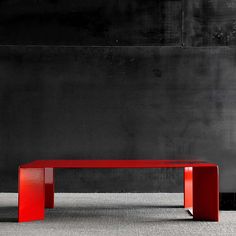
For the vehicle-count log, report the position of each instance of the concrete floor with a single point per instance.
(113, 214)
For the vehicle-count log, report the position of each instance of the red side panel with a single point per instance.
(30, 194)
(188, 187)
(49, 188)
(206, 193)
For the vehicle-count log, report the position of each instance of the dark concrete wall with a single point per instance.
(91, 22)
(210, 22)
(123, 102)
(132, 102)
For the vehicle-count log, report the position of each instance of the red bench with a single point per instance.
(36, 184)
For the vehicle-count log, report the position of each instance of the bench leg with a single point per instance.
(49, 188)
(206, 193)
(30, 194)
(188, 187)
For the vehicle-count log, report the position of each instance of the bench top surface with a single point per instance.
(116, 164)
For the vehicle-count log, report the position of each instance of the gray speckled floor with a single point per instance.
(113, 214)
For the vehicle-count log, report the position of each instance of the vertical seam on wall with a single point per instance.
(182, 22)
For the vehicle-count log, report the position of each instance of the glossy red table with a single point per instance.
(36, 184)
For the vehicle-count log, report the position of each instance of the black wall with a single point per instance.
(117, 80)
(91, 22)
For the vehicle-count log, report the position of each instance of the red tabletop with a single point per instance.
(116, 164)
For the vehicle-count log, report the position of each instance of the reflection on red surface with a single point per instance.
(188, 187)
(31, 194)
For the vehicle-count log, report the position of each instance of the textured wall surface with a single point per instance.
(91, 22)
(123, 102)
(167, 93)
(210, 22)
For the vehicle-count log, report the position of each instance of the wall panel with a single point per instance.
(121, 103)
(210, 22)
(91, 22)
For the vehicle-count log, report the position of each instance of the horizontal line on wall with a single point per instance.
(118, 46)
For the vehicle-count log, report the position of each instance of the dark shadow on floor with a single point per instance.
(119, 207)
(10, 213)
(126, 213)
(166, 220)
